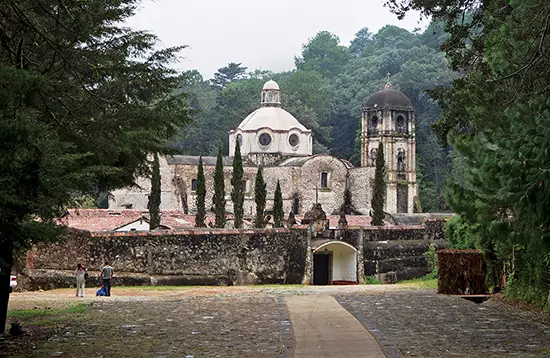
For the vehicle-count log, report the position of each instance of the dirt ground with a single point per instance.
(253, 322)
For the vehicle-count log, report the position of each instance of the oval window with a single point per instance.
(293, 140)
(265, 139)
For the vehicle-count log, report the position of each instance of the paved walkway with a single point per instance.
(323, 328)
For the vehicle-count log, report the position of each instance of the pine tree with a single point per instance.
(237, 194)
(260, 194)
(154, 199)
(278, 213)
(379, 188)
(219, 191)
(201, 197)
(84, 101)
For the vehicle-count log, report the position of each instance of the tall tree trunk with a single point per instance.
(6, 263)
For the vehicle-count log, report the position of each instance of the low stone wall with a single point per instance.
(225, 257)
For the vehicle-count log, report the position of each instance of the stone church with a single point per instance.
(274, 139)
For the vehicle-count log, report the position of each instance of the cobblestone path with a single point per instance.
(254, 322)
(424, 324)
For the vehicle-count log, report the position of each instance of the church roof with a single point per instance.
(299, 161)
(274, 118)
(388, 97)
(271, 85)
(194, 160)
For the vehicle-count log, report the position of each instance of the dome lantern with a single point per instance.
(270, 96)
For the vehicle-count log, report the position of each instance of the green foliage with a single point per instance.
(154, 199)
(84, 99)
(371, 280)
(278, 213)
(323, 54)
(219, 191)
(201, 197)
(346, 205)
(260, 195)
(379, 188)
(497, 118)
(431, 259)
(225, 75)
(460, 234)
(237, 194)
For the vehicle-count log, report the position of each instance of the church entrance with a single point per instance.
(334, 262)
(321, 268)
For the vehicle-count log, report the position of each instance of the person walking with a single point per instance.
(80, 274)
(106, 275)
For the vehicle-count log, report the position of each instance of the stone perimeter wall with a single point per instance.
(228, 257)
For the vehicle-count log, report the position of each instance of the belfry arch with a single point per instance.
(334, 261)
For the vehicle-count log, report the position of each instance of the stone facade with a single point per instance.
(274, 139)
(388, 117)
(233, 257)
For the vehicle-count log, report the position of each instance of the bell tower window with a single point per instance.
(401, 124)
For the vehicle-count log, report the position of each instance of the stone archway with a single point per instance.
(334, 261)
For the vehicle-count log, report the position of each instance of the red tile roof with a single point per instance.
(353, 220)
(98, 220)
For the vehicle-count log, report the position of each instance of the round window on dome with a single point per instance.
(240, 139)
(265, 139)
(293, 140)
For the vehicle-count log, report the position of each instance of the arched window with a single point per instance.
(296, 204)
(372, 157)
(193, 184)
(324, 180)
(401, 124)
(401, 167)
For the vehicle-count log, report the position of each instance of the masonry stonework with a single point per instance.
(231, 257)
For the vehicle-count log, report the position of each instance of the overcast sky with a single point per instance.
(260, 34)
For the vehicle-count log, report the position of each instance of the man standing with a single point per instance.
(106, 275)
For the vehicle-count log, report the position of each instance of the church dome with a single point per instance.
(271, 85)
(388, 97)
(274, 118)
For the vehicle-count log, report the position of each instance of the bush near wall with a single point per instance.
(461, 272)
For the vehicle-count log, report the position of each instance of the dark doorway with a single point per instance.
(320, 269)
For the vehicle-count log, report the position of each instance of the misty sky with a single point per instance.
(260, 34)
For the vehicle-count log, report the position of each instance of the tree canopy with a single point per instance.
(83, 101)
(497, 118)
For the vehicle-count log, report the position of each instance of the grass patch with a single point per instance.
(372, 280)
(32, 313)
(422, 282)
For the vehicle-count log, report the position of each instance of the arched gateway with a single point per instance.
(334, 262)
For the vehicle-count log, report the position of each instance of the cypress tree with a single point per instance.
(154, 199)
(278, 213)
(379, 189)
(260, 194)
(219, 191)
(237, 194)
(346, 206)
(201, 197)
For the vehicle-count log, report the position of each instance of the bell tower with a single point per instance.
(388, 117)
